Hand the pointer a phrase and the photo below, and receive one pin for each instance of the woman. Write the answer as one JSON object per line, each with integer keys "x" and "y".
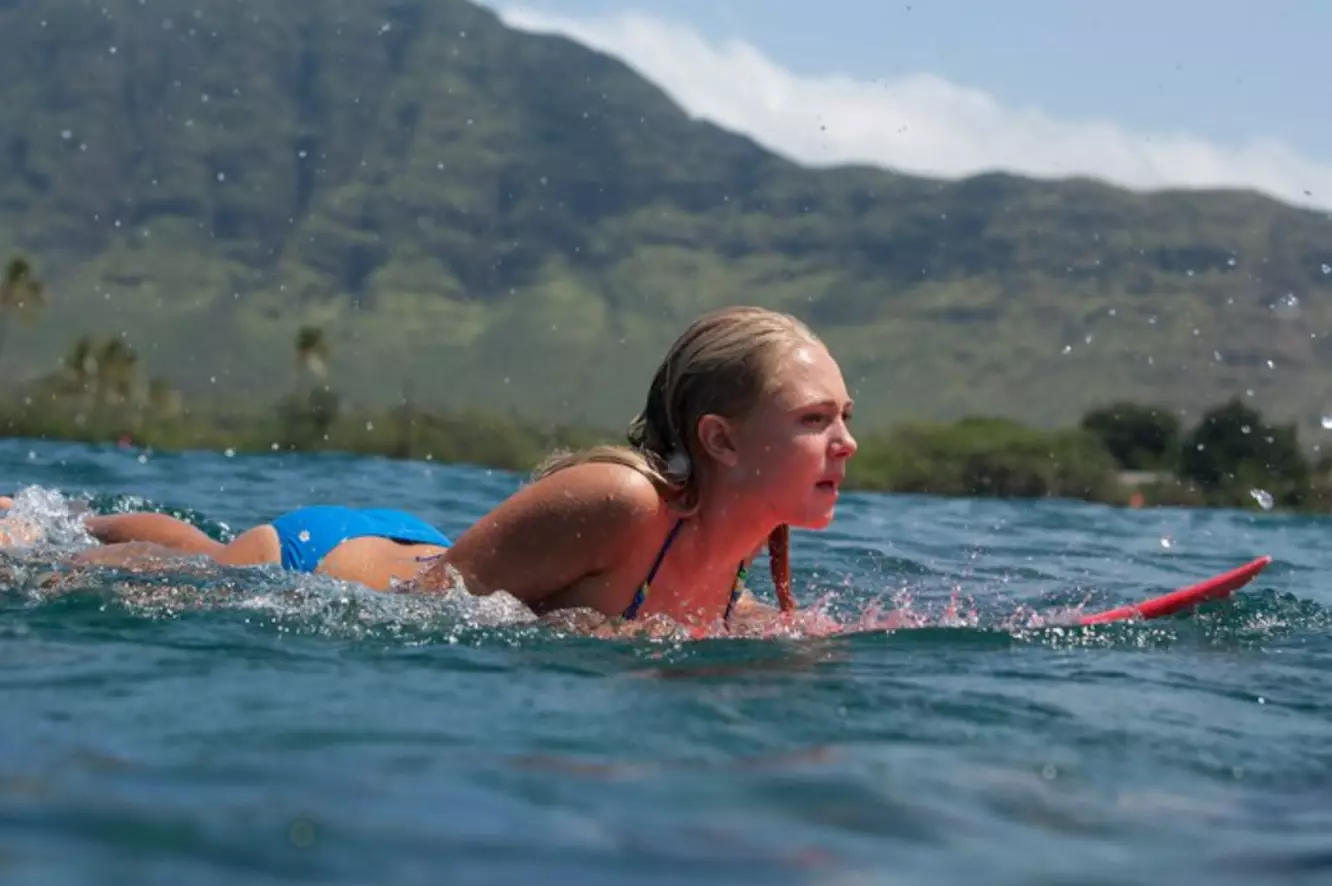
{"x": 745, "y": 432}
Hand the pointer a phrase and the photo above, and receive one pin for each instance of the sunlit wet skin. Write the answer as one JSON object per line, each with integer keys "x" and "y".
{"x": 378, "y": 563}
{"x": 147, "y": 540}
{"x": 385, "y": 565}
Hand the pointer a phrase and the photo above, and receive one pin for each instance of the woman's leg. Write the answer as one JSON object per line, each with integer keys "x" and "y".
{"x": 110, "y": 529}
{"x": 127, "y": 538}
{"x": 251, "y": 548}
{"x": 159, "y": 529}
{"x": 377, "y": 563}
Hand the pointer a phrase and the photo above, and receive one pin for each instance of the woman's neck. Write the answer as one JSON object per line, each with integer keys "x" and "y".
{"x": 726, "y": 532}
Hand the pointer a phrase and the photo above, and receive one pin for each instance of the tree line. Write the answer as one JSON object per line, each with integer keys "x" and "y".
{"x": 1229, "y": 453}
{"x": 1123, "y": 453}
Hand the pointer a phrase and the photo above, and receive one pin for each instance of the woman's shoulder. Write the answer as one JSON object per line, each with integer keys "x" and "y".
{"x": 607, "y": 490}
{"x": 580, "y": 520}
{"x": 599, "y": 501}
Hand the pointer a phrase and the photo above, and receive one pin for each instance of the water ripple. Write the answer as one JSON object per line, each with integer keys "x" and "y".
{"x": 222, "y": 726}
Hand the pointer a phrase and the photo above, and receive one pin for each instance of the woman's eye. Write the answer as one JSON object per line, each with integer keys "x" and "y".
{"x": 815, "y": 418}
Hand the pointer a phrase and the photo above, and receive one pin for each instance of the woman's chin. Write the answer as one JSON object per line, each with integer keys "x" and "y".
{"x": 815, "y": 518}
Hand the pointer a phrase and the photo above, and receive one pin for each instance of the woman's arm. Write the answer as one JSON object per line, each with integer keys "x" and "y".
{"x": 575, "y": 523}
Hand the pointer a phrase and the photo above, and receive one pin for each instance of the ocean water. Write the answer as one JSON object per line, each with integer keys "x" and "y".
{"x": 204, "y": 726}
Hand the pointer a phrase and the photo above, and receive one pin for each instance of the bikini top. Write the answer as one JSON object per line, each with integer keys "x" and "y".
{"x": 641, "y": 595}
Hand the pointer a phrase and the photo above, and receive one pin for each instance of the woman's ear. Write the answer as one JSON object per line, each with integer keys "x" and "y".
{"x": 714, "y": 436}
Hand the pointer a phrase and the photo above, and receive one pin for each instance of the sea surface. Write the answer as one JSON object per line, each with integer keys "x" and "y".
{"x": 205, "y": 726}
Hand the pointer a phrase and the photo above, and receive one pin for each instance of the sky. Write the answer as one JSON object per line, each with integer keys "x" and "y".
{"x": 1171, "y": 93}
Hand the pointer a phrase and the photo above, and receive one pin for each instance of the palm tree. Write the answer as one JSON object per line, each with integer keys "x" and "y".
{"x": 117, "y": 371}
{"x": 163, "y": 400}
{"x": 309, "y": 411}
{"x": 81, "y": 366}
{"x": 312, "y": 353}
{"x": 21, "y": 293}
{"x": 108, "y": 370}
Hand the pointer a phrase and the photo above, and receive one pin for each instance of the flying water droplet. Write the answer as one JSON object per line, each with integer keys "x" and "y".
{"x": 1263, "y": 497}
{"x": 1287, "y": 305}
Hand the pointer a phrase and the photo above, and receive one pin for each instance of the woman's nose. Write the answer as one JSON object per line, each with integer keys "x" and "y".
{"x": 845, "y": 445}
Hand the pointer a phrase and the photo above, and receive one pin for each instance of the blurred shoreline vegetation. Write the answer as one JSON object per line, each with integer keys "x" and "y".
{"x": 256, "y": 234}
{"x": 503, "y": 215}
{"x": 1123, "y": 453}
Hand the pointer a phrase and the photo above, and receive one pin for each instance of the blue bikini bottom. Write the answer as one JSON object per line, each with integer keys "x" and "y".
{"x": 308, "y": 534}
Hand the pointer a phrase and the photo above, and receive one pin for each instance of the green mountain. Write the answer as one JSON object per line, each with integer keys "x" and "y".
{"x": 516, "y": 222}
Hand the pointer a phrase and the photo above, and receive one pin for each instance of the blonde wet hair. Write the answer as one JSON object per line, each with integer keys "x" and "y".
{"x": 723, "y": 364}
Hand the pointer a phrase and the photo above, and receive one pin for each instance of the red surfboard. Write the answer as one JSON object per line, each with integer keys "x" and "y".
{"x": 1214, "y": 588}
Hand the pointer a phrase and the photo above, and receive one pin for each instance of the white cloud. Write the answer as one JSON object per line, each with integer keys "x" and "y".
{"x": 920, "y": 124}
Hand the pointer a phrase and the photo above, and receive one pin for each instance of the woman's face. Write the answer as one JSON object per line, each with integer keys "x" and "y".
{"x": 790, "y": 451}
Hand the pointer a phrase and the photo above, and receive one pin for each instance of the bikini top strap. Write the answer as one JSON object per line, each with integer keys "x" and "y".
{"x": 661, "y": 555}
{"x": 737, "y": 590}
{"x": 640, "y": 596}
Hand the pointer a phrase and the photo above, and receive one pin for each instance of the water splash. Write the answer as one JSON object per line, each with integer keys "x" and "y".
{"x": 274, "y": 600}
{"x": 45, "y": 519}
{"x": 1263, "y": 497}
